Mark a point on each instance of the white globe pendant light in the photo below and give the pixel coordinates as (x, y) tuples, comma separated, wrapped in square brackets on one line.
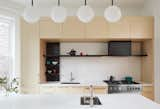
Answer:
[(59, 13), (30, 14), (85, 13), (113, 13)]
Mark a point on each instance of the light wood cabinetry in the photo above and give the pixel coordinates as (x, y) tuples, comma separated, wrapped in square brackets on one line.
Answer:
[(120, 29), (49, 29), (133, 27), (96, 90), (71, 90), (148, 92), (127, 28), (29, 57), (141, 27), (73, 29), (147, 75), (98, 28)]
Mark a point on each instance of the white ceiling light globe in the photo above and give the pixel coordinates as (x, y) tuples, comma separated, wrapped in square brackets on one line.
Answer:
[(112, 14), (85, 14), (30, 15), (59, 14)]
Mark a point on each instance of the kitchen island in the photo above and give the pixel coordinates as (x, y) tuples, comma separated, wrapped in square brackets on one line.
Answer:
[(112, 101)]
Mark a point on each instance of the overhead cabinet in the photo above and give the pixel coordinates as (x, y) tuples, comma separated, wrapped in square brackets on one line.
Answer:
[(98, 28), (73, 28), (49, 29), (132, 27), (141, 27), (120, 29)]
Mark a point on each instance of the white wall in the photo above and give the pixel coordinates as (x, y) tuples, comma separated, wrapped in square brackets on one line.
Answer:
[(152, 7), (97, 68)]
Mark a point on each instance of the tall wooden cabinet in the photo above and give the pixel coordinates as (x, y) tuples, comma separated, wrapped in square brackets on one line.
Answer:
[(29, 57)]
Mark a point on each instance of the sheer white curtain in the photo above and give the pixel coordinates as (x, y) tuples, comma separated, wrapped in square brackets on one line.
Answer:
[(7, 33)]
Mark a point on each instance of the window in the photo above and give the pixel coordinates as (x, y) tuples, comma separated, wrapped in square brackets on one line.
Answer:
[(6, 46)]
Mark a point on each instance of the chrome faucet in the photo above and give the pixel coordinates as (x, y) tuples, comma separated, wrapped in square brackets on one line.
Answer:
[(71, 77), (91, 96)]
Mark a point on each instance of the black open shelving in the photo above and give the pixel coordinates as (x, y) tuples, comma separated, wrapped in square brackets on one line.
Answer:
[(52, 70)]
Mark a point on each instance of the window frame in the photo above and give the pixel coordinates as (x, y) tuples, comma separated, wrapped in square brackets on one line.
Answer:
[(11, 47)]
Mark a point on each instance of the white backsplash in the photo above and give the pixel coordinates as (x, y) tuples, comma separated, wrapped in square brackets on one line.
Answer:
[(92, 69), (86, 48)]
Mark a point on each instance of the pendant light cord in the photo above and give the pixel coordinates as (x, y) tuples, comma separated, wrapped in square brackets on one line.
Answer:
[(112, 2), (32, 3), (59, 3), (85, 2)]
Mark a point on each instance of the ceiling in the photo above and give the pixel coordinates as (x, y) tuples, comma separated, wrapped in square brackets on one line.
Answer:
[(77, 3)]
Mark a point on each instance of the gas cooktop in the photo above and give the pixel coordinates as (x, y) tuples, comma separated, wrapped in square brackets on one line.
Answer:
[(123, 86), (120, 82)]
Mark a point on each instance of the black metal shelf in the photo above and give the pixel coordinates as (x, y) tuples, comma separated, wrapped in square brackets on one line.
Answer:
[(94, 56)]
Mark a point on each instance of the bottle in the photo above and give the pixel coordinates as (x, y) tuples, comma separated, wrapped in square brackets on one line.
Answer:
[(91, 96)]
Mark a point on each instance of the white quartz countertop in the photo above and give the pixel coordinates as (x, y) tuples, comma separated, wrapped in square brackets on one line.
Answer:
[(113, 101), (82, 84)]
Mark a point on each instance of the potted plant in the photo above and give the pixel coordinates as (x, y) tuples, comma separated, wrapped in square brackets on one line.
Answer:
[(8, 86)]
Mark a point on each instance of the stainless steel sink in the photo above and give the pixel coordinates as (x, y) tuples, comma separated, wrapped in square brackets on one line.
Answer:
[(70, 83), (86, 101)]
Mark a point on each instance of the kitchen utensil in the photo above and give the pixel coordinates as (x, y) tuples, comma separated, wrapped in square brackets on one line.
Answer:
[(72, 52), (128, 79), (54, 62), (111, 78)]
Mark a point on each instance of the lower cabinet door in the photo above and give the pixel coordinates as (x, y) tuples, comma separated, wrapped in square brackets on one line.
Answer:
[(96, 90), (71, 90), (148, 92)]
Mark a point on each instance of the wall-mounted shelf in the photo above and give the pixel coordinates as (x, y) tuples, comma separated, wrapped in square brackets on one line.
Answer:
[(93, 56)]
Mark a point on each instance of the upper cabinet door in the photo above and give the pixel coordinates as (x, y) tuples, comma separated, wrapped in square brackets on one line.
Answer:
[(98, 28), (120, 29), (49, 29), (72, 28), (142, 27)]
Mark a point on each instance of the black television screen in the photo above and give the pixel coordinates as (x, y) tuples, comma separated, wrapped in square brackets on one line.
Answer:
[(119, 48)]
